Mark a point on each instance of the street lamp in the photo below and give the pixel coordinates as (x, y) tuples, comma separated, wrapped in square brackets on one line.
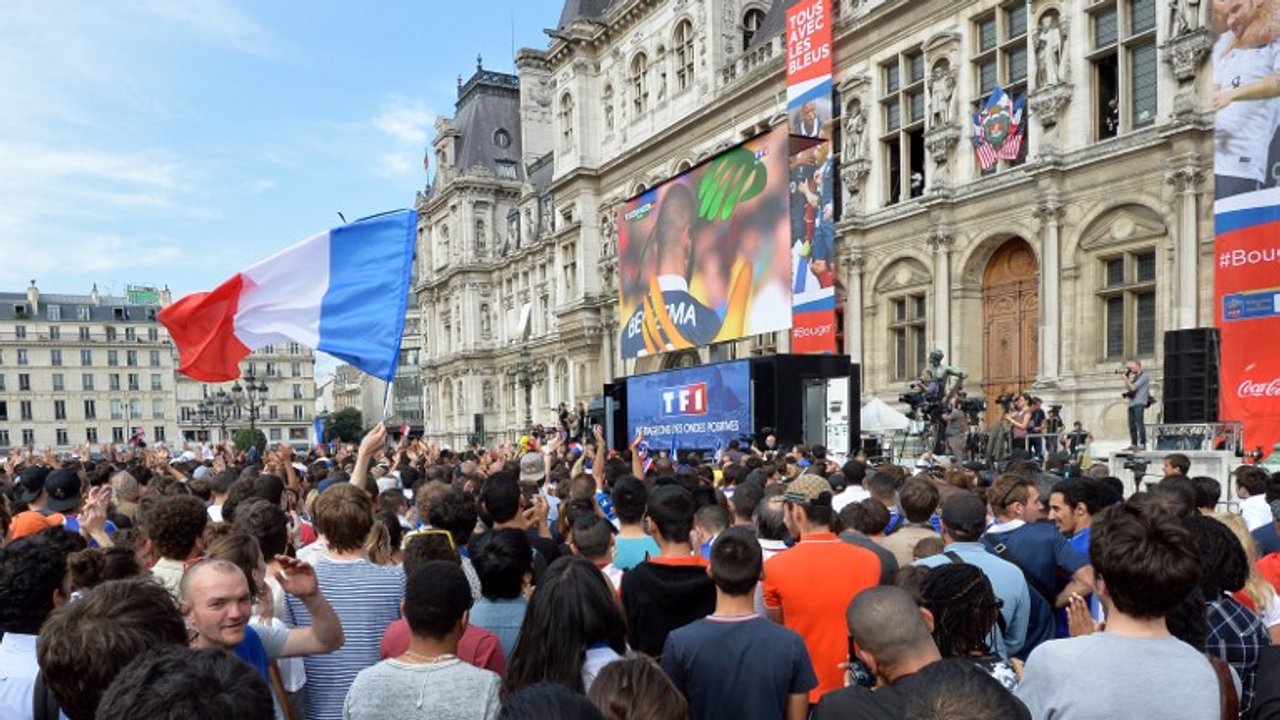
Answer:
[(216, 409), (251, 396), (526, 373)]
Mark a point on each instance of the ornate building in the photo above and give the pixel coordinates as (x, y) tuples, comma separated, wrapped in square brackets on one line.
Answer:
[(1043, 272)]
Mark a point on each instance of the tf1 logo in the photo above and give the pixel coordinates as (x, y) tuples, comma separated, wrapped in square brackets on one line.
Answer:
[(685, 400)]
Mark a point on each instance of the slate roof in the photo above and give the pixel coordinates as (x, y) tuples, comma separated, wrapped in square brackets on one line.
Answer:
[(488, 103), (773, 24), (580, 10), (104, 312)]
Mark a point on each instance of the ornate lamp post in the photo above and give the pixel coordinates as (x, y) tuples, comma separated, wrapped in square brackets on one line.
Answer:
[(216, 409), (251, 396), (526, 373)]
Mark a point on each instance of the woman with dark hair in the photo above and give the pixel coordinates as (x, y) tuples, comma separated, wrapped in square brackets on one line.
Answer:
[(572, 628), (94, 566), (965, 610), (637, 689), (548, 701), (1236, 633), (504, 562)]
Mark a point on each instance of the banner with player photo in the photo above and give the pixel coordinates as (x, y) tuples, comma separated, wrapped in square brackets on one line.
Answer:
[(1246, 67), (702, 258)]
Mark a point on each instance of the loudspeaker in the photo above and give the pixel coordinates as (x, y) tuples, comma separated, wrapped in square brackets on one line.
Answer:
[(1191, 359)]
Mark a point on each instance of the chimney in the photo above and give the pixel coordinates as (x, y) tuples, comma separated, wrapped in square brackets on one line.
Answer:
[(94, 297), (33, 297), (166, 297)]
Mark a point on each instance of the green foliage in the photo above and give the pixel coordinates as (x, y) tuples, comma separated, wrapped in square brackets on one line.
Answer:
[(734, 177), (244, 438), (346, 425)]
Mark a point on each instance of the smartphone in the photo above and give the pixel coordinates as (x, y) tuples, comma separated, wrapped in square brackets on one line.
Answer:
[(859, 673), (528, 489)]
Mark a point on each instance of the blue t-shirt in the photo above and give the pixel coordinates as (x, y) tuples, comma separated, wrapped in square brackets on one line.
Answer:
[(630, 552), (252, 651), (1045, 554)]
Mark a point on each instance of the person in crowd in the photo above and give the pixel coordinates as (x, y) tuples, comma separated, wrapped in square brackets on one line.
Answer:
[(175, 524), (1039, 550), (634, 545), (769, 664), (964, 609), (548, 701), (815, 610), (365, 597), (177, 683), (637, 689), (708, 523), (455, 513), (1176, 464), (506, 508), (593, 540), (93, 566), (220, 488), (504, 561), (672, 589), (854, 473), (953, 689), (890, 637), (859, 518), (770, 520), (33, 572), (964, 516), (746, 498), (1236, 633), (84, 643), (428, 680), (572, 629), (1251, 487), (1208, 493), (1257, 594), (919, 500), (883, 488)]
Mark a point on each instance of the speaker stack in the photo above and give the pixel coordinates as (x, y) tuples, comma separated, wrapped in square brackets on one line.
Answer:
[(1191, 375)]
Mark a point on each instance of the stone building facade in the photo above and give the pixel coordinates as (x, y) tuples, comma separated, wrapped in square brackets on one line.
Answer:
[(1043, 273)]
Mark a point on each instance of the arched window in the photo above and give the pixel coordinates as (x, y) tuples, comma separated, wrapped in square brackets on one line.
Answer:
[(683, 165), (566, 121), (751, 22), (640, 83), (683, 42)]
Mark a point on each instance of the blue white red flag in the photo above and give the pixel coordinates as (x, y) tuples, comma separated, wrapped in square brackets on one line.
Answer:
[(998, 128)]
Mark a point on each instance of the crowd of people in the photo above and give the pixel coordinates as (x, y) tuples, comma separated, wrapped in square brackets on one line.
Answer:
[(568, 580)]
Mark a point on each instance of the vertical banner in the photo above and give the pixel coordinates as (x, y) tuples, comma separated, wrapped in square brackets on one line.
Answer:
[(812, 188), (1246, 58)]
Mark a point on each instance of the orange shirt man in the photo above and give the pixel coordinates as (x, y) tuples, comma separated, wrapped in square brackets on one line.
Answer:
[(809, 587)]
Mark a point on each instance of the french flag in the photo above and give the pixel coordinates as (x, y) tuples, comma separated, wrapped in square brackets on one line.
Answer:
[(342, 291)]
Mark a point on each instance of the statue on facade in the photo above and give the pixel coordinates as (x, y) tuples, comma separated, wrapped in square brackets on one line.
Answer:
[(942, 89), (488, 394), (942, 374), (1184, 17), (485, 327), (855, 133), (608, 113), (1049, 40)]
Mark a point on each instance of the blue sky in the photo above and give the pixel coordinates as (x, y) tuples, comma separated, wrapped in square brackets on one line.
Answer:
[(177, 141)]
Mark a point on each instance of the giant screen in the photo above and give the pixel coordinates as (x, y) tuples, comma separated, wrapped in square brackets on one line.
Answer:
[(702, 407), (704, 257)]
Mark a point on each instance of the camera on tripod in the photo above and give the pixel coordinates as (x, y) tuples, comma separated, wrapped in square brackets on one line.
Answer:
[(922, 404), (1006, 401)]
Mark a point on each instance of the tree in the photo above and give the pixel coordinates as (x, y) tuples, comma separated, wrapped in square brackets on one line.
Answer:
[(244, 438), (346, 425)]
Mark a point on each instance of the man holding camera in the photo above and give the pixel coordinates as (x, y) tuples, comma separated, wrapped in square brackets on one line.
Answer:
[(1138, 389), (957, 428)]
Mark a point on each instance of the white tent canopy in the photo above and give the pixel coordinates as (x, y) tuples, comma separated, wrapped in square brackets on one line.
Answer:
[(878, 417)]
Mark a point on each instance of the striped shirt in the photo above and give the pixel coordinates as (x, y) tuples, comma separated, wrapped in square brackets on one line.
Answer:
[(366, 598)]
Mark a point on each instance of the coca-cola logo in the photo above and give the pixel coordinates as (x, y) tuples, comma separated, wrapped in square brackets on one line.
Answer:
[(1249, 388)]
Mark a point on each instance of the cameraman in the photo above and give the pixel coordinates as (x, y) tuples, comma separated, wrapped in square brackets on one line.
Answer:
[(957, 427), (1138, 389)]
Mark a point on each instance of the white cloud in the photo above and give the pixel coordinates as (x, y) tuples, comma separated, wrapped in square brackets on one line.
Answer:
[(262, 185), (216, 21), (403, 126)]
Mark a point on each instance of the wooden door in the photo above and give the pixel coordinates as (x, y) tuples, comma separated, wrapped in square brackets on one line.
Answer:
[(1011, 323)]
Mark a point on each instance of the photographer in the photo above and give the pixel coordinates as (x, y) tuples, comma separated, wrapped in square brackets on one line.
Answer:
[(957, 428), (1138, 389), (1036, 426), (1020, 422)]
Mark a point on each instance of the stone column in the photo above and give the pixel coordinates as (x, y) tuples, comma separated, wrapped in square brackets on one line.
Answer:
[(853, 266), (1049, 212), (940, 241), (1186, 181)]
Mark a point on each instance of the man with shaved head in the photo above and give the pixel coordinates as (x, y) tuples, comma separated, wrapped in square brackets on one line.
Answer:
[(891, 636)]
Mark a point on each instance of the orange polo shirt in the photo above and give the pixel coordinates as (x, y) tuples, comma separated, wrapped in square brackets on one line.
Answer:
[(813, 584)]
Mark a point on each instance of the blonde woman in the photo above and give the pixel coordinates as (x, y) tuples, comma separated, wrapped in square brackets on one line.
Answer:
[(1257, 594)]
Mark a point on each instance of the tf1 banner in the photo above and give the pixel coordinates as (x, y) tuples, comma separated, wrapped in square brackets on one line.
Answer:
[(698, 408)]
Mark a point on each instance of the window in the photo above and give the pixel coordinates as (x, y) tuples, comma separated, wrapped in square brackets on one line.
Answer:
[(91, 435), (23, 358), (20, 332), (271, 369), (82, 312), (55, 357), (61, 434), (86, 358), (157, 408), (117, 434), (111, 334), (297, 391), (53, 312), (134, 385), (90, 410), (903, 142), (4, 438), (566, 122), (84, 334), (86, 381), (4, 410), (1128, 298), (131, 358), (59, 409), (683, 43), (267, 350), (273, 412), (1002, 58), (113, 358), (751, 25), (24, 382), (130, 334), (640, 84), (158, 433), (28, 436), (295, 349), (295, 369), (59, 383), (907, 335), (156, 383), (135, 409), (153, 358), (113, 382), (153, 335), (274, 434), (297, 413), (24, 409), (1, 382), (502, 138), (117, 409), (55, 332), (1125, 67)]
